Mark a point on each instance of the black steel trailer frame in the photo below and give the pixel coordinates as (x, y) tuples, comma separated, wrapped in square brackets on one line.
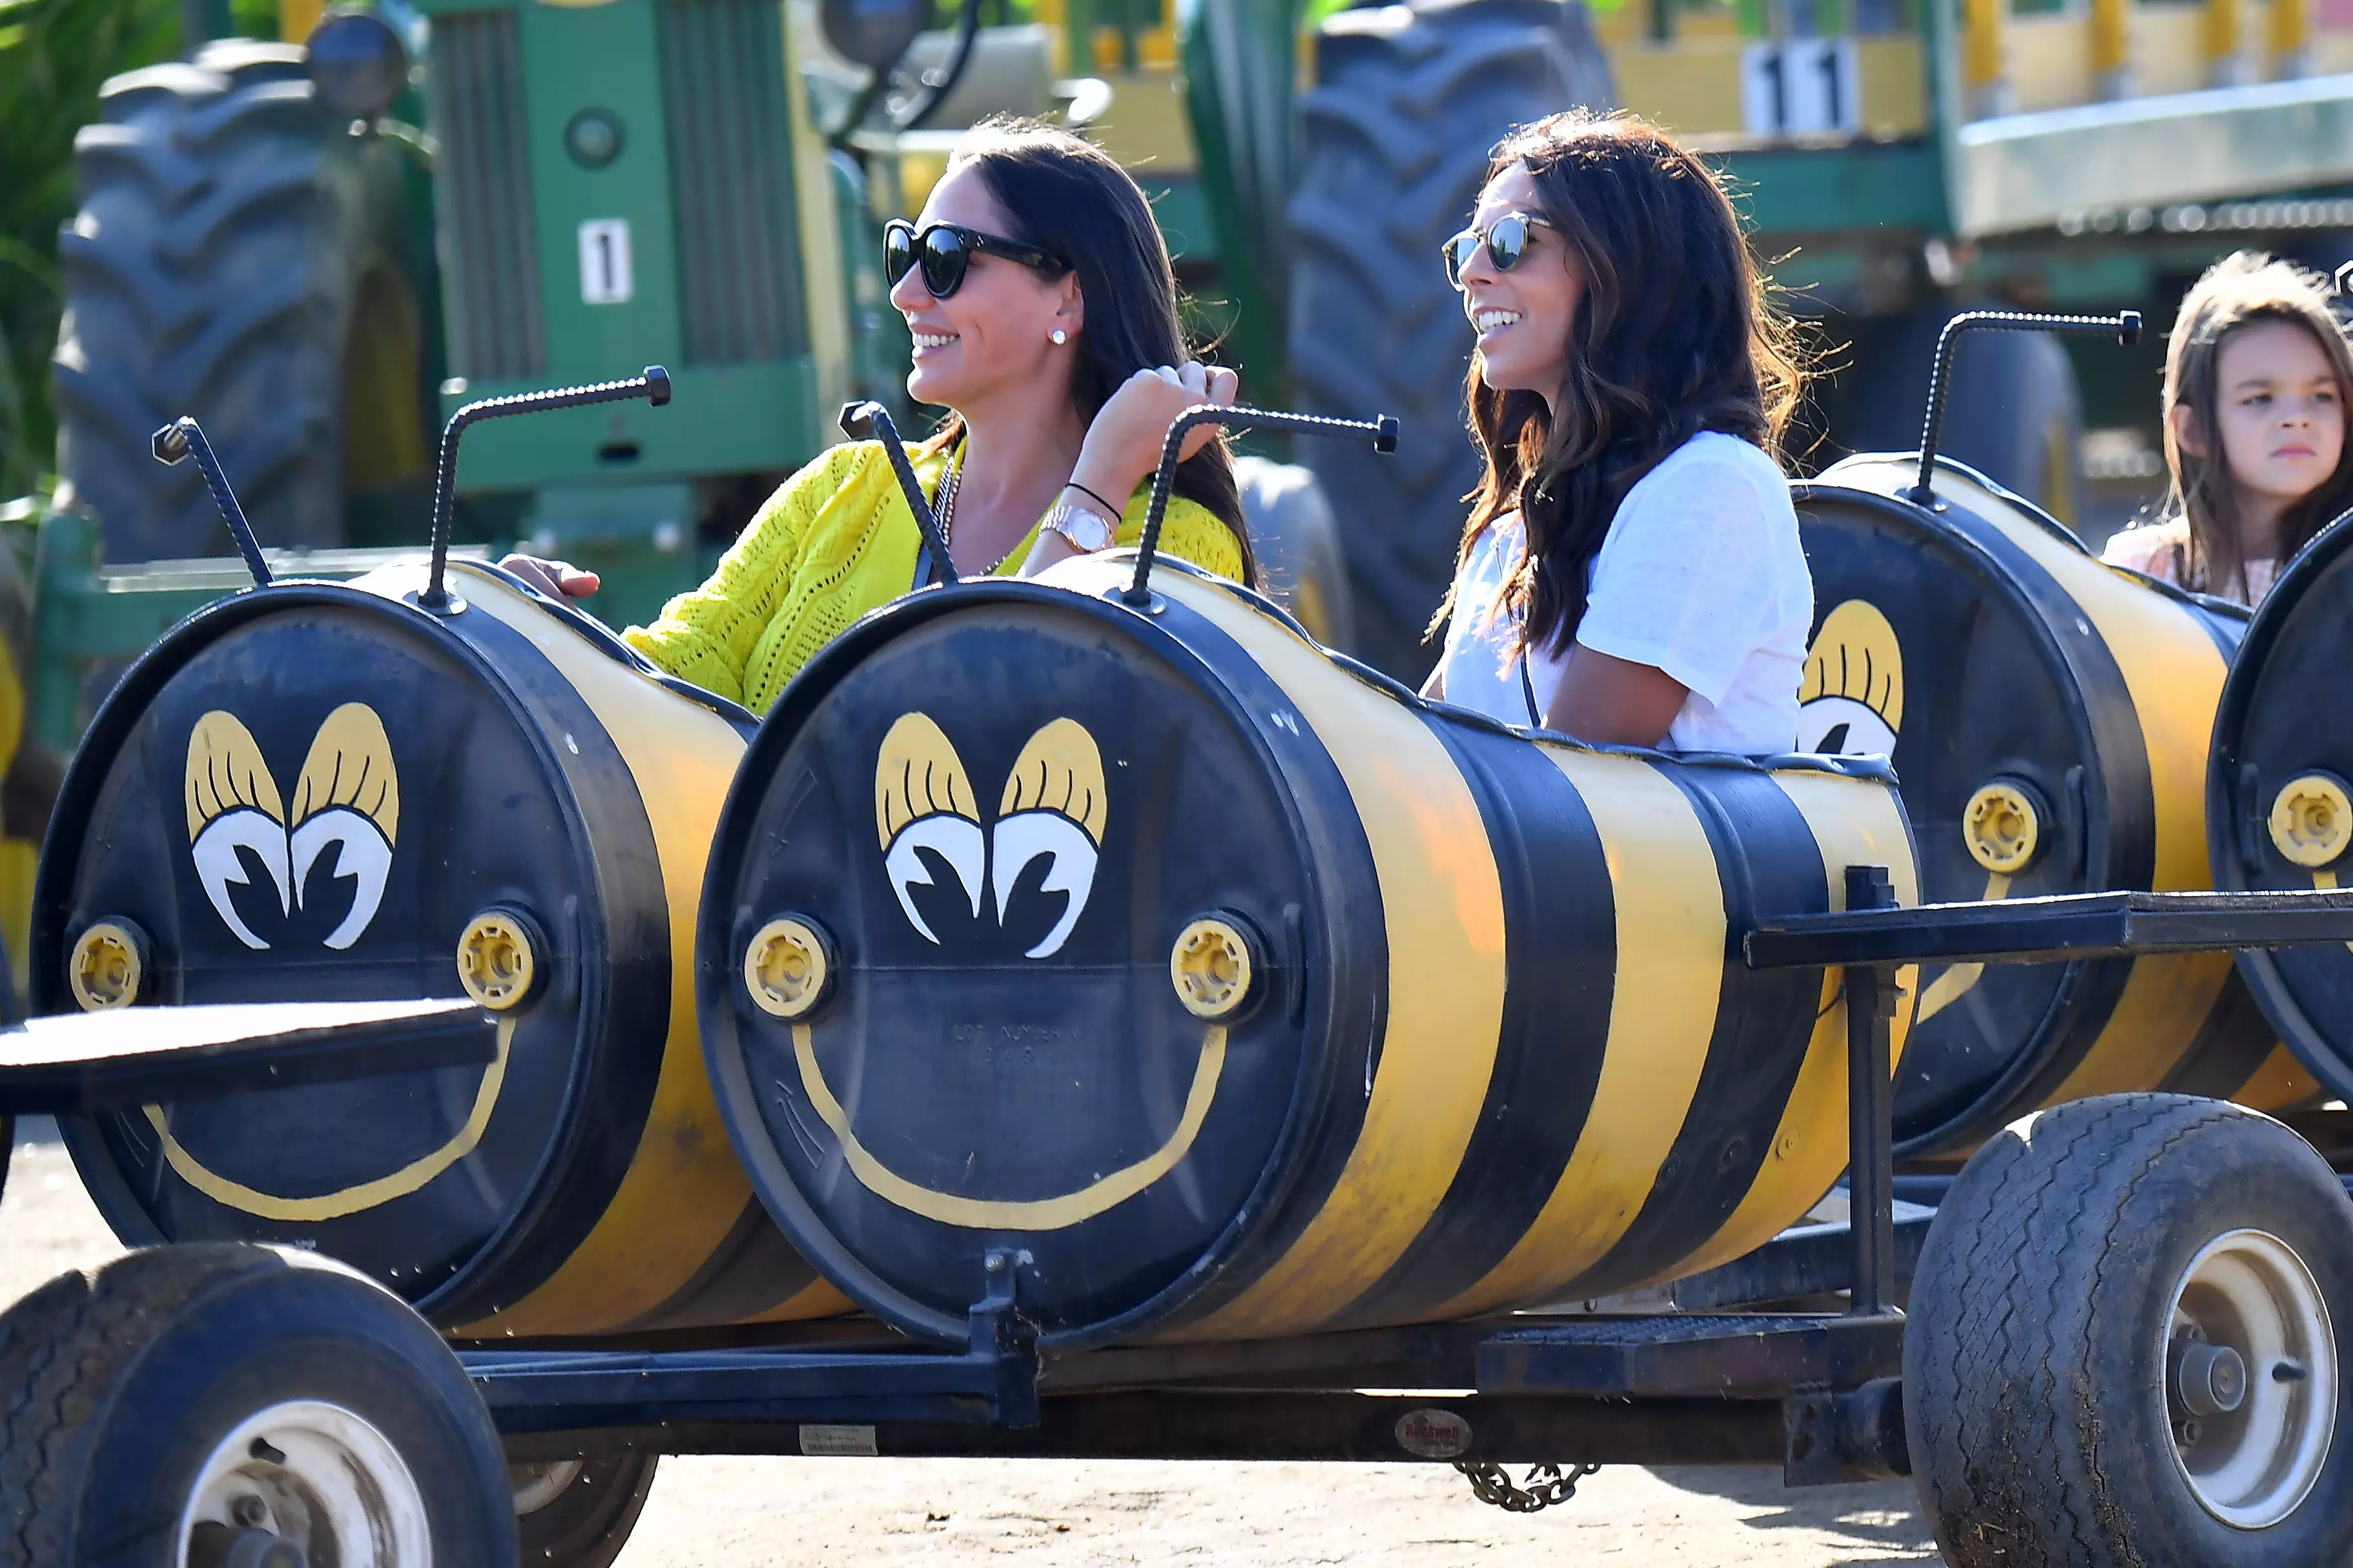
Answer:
[(1820, 1393)]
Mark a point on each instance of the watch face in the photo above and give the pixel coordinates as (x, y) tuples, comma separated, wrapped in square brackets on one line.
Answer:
[(1082, 527)]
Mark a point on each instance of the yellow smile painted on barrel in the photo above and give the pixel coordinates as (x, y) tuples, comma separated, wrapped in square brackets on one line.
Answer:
[(1053, 806), (361, 1196), (1027, 1214)]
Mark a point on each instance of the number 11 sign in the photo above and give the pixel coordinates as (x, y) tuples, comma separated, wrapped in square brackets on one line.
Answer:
[(1800, 85)]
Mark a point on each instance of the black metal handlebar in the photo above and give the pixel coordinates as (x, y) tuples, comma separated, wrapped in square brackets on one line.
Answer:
[(183, 439), (653, 386), (867, 421), (2125, 325), (1381, 431)]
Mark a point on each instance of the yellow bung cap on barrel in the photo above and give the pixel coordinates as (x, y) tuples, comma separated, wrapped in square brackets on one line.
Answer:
[(110, 959), (2311, 820)]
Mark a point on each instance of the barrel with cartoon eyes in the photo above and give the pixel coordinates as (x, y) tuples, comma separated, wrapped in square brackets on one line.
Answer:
[(1232, 991), (315, 790), (2049, 718), (2279, 816)]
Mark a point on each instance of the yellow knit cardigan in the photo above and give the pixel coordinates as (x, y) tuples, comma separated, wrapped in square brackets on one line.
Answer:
[(835, 540)]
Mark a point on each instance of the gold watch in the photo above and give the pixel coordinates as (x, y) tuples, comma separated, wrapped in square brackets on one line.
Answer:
[(1085, 528)]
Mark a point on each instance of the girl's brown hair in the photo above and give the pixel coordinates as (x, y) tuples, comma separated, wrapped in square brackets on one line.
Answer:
[(1070, 197), (2236, 292), (1675, 334)]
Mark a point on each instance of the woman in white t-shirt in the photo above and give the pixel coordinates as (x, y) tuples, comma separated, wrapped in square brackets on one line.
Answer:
[(1631, 573)]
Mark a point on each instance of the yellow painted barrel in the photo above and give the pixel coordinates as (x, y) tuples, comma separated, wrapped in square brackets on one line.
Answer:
[(2049, 718), (1241, 992), (318, 791)]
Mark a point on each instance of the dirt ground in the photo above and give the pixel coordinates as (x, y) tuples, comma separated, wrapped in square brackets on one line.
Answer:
[(801, 1513)]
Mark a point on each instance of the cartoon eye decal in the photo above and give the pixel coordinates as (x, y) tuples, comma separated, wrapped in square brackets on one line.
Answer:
[(954, 839), (1843, 727), (1023, 837), (214, 853), (364, 855)]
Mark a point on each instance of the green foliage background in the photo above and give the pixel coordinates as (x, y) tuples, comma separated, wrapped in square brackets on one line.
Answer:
[(53, 55)]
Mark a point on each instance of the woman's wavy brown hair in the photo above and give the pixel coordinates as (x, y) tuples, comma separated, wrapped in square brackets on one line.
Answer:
[(1674, 333), (1071, 198), (2238, 291)]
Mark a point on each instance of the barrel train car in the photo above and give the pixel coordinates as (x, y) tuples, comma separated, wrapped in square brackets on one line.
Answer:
[(1088, 1017)]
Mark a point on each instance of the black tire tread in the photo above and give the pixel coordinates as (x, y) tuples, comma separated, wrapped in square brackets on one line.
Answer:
[(1999, 1353), (592, 1536), (61, 1347), (212, 272), (1395, 139)]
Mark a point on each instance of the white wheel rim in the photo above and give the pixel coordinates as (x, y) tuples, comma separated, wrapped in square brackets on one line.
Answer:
[(2252, 1466), (322, 1478), (539, 1484)]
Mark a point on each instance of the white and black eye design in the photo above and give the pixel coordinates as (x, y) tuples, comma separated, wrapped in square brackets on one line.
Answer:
[(347, 800), (927, 820)]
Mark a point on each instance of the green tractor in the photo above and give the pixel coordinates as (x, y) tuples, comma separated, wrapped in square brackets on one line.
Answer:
[(323, 249)]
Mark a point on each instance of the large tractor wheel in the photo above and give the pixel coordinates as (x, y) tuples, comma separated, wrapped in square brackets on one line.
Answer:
[(578, 1513), (2014, 413), (1408, 102), (240, 258), (2128, 1347), (226, 1403)]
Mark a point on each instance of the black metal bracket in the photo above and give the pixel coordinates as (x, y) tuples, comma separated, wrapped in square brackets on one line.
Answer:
[(1381, 432), (2125, 325), (2053, 929), (870, 421), (1869, 1110), (653, 386), (183, 439), (78, 1063), (992, 1382)]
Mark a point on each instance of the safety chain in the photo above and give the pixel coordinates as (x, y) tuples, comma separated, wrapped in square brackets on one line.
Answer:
[(1548, 1485)]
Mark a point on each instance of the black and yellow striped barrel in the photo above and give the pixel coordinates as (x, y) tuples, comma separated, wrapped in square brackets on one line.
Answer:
[(2279, 816), (2049, 717), (316, 791), (1244, 993)]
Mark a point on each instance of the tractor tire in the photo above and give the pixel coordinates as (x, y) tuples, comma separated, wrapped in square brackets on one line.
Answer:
[(1407, 103), (242, 258), (578, 1513), (2054, 1412), (215, 1397), (1298, 545), (2014, 413)]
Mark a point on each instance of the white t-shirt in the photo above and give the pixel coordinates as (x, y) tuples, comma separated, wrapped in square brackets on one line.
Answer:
[(1700, 575)]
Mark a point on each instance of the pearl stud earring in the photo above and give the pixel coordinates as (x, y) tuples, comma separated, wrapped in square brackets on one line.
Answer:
[(1060, 336)]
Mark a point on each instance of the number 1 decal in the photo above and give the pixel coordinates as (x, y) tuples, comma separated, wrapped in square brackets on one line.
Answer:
[(605, 277)]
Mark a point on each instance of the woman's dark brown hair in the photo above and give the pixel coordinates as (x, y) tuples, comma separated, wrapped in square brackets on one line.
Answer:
[(1068, 196), (1673, 334), (2237, 291)]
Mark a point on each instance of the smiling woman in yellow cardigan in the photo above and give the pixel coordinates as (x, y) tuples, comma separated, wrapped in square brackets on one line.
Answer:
[(835, 542), (1043, 308)]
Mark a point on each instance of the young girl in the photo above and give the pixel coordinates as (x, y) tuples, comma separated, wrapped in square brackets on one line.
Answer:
[(2256, 380), (1631, 572)]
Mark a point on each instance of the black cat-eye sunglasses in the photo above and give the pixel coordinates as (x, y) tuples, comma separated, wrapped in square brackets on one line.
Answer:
[(944, 249)]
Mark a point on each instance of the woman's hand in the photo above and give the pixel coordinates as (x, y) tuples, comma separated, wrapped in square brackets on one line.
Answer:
[(557, 579), (1122, 445)]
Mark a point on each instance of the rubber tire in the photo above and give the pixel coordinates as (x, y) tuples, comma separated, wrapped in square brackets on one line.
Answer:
[(116, 1384), (588, 1522), (227, 226), (2015, 413), (1298, 544), (2035, 1416), (1395, 136)]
